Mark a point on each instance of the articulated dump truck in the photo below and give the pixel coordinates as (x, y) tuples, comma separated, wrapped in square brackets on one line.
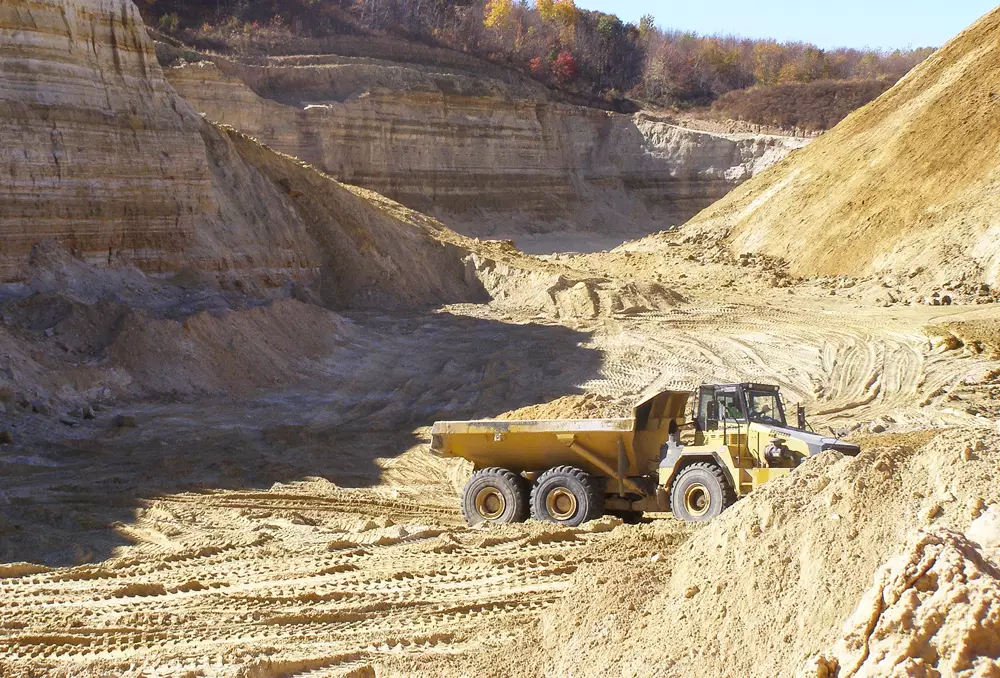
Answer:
[(569, 471)]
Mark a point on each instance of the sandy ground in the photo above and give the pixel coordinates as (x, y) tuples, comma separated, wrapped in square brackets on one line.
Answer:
[(567, 242), (305, 530)]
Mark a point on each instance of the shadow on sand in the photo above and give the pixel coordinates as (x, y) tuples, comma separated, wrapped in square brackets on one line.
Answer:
[(65, 501)]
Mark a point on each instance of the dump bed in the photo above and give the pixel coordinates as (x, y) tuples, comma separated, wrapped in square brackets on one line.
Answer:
[(614, 448)]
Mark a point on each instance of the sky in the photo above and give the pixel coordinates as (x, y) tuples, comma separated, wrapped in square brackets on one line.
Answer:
[(833, 23)]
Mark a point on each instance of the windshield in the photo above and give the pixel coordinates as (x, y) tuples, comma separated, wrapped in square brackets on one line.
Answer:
[(765, 406)]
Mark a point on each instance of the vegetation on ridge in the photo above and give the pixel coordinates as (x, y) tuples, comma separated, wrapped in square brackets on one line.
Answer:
[(585, 53)]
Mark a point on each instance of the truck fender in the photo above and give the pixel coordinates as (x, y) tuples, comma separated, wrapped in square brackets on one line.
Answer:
[(675, 459)]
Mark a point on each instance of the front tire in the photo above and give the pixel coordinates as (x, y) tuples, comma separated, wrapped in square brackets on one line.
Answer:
[(700, 492), (495, 495), (567, 496)]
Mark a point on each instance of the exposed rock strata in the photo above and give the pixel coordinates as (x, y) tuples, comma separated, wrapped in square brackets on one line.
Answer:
[(104, 158), (97, 149), (437, 143)]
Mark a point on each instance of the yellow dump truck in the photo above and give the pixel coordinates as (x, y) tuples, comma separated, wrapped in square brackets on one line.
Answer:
[(569, 471)]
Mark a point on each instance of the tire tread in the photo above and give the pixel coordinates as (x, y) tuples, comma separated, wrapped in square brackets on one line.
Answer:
[(581, 476), (728, 493), (521, 511)]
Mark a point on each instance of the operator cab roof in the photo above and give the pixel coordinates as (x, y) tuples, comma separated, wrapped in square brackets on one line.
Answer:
[(746, 386)]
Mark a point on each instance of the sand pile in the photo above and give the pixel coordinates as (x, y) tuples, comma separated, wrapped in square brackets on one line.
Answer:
[(934, 611), (235, 351), (975, 336), (907, 184), (77, 333), (377, 253), (516, 282), (586, 406), (768, 585), (373, 253)]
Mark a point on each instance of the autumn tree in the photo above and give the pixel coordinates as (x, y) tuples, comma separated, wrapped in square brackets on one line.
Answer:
[(590, 53), (498, 13), (646, 25), (768, 58), (560, 12), (564, 68)]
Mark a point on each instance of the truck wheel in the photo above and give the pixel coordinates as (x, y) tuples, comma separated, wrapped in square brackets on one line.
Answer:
[(495, 495), (700, 492), (566, 495)]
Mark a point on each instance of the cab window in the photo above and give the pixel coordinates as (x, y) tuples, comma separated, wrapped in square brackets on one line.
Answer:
[(765, 407), (715, 407)]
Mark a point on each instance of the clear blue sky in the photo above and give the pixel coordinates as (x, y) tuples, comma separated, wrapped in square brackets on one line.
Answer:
[(833, 23)]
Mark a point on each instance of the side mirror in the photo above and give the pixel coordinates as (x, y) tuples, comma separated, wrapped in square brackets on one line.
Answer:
[(800, 413)]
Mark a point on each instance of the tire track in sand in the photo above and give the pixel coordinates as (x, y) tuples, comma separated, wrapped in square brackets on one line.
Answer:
[(843, 366), (295, 585)]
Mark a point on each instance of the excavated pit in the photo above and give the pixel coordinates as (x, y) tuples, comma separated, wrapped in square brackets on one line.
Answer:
[(215, 391)]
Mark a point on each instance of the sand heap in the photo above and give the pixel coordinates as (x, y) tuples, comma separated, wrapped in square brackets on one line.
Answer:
[(585, 406), (934, 611), (907, 183), (769, 584)]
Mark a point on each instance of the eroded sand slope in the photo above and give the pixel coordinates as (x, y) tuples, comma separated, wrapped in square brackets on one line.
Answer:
[(907, 182)]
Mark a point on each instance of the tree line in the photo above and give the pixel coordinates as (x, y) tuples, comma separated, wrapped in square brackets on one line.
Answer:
[(588, 53)]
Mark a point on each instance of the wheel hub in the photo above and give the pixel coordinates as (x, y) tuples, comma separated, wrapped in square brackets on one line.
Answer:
[(561, 503), (490, 503), (697, 500)]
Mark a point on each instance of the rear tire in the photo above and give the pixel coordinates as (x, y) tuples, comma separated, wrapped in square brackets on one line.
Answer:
[(495, 495), (700, 492), (567, 496)]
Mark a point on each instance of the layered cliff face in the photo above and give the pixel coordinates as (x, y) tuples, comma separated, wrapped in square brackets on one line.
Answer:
[(97, 149), (102, 157), (479, 152)]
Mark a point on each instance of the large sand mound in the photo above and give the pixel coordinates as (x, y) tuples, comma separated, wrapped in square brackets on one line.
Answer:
[(767, 585), (934, 610), (908, 182)]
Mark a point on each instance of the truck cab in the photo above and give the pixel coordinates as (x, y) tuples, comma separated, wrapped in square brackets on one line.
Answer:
[(727, 406), (757, 411), (741, 433)]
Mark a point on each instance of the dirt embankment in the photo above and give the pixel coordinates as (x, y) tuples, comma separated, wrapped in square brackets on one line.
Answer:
[(905, 184), (764, 590)]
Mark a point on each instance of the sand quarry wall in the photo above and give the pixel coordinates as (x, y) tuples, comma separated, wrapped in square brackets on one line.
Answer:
[(908, 182), (473, 149), (113, 165), (97, 149)]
